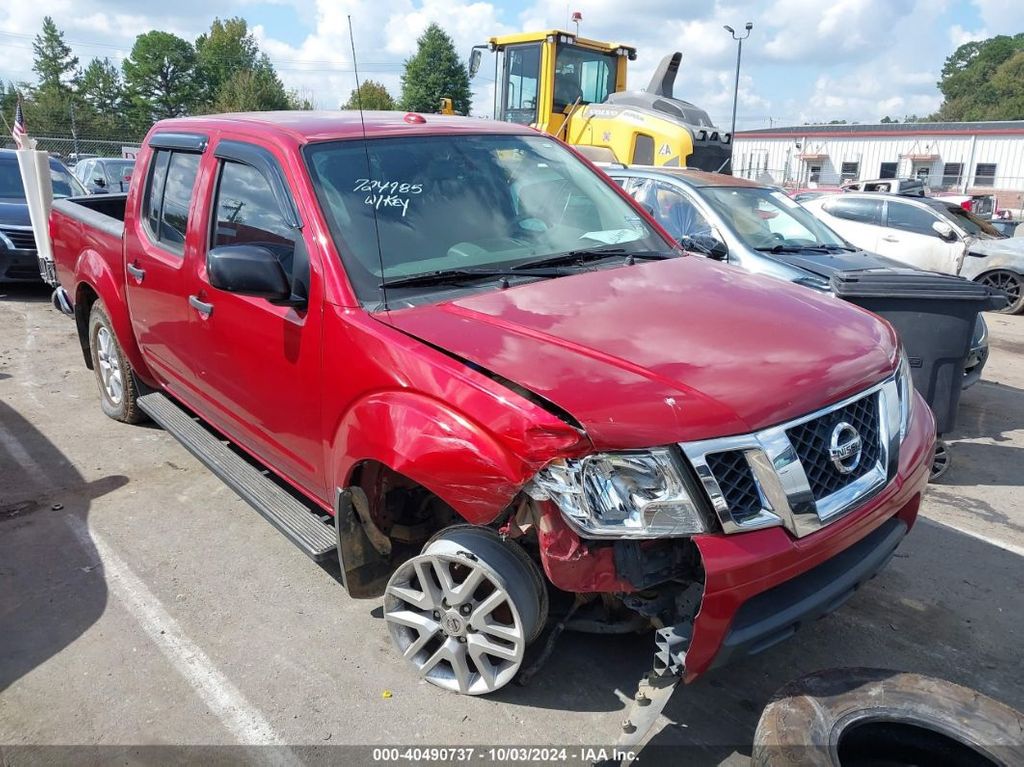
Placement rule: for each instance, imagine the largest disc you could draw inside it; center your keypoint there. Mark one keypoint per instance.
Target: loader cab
(544, 77)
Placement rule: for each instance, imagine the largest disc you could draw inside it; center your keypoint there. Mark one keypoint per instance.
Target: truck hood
(668, 351)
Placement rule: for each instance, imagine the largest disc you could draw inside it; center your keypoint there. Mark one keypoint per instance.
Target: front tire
(1010, 283)
(118, 390)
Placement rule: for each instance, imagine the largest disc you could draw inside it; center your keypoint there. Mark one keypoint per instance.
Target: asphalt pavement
(143, 604)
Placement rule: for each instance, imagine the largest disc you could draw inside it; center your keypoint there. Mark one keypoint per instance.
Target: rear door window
(169, 197)
(857, 209)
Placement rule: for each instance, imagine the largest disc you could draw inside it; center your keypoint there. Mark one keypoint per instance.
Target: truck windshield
(766, 219)
(401, 208)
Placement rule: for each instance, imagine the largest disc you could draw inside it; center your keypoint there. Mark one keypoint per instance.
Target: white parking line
(23, 459)
(225, 700)
(997, 542)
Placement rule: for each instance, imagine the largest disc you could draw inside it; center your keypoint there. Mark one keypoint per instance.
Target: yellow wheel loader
(575, 88)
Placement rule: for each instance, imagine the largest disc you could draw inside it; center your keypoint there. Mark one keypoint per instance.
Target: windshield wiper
(780, 248)
(456, 276)
(583, 255)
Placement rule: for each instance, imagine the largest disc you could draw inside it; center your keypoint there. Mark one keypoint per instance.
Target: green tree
(56, 66)
(976, 87)
(886, 120)
(160, 74)
(101, 88)
(249, 90)
(434, 72)
(234, 75)
(370, 95)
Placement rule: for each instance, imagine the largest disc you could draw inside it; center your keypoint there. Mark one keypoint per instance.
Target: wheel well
(85, 297)
(400, 507)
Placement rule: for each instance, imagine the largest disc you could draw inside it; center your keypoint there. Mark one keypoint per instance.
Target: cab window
(522, 76)
(248, 213)
(583, 76)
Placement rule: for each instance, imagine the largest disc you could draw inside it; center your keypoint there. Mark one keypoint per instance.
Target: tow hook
(655, 688)
(62, 302)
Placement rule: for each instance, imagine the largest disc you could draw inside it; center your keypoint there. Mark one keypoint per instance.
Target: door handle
(890, 239)
(202, 307)
(135, 272)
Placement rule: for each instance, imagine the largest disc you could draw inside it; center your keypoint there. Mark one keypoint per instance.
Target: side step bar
(298, 522)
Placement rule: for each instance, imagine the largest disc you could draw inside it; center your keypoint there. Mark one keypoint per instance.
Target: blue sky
(805, 61)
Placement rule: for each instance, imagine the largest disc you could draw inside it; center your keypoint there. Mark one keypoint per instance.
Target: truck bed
(101, 211)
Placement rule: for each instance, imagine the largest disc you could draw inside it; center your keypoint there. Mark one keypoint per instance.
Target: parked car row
(928, 233)
(762, 230)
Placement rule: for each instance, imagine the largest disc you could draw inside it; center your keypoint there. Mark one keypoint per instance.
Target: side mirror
(251, 270)
(944, 230)
(474, 62)
(710, 245)
(99, 181)
(718, 250)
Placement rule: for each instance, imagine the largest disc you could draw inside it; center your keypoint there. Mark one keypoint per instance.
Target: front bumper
(761, 586)
(19, 265)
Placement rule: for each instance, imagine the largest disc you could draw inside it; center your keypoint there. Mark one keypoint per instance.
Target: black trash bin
(934, 315)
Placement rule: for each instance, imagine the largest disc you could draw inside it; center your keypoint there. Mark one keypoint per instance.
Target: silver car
(760, 229)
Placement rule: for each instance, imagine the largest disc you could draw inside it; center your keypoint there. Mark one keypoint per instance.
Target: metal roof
(889, 129)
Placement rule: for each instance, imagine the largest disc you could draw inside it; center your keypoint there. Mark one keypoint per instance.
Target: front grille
(811, 442)
(22, 238)
(783, 475)
(736, 481)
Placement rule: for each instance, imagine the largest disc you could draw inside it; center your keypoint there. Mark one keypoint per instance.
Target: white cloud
(851, 59)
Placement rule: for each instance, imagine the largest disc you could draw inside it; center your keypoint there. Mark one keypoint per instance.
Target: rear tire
(1010, 283)
(114, 378)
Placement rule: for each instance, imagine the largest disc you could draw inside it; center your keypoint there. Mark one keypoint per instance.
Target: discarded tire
(870, 717)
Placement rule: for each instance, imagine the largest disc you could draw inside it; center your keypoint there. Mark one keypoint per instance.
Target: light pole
(736, 88)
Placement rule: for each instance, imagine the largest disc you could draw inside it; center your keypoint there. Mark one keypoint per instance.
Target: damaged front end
(616, 586)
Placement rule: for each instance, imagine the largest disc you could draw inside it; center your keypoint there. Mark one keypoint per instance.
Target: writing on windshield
(403, 207)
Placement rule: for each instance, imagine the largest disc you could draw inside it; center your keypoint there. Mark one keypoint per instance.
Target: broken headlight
(622, 495)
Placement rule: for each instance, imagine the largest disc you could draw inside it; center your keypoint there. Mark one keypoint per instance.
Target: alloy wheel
(1009, 283)
(463, 618)
(110, 365)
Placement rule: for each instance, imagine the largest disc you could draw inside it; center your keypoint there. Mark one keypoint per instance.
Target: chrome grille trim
(785, 492)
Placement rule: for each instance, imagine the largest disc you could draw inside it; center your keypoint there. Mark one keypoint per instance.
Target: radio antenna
(366, 150)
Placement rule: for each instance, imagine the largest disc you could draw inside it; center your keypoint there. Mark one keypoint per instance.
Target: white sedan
(930, 234)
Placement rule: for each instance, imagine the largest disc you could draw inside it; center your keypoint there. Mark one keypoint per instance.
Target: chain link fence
(71, 149)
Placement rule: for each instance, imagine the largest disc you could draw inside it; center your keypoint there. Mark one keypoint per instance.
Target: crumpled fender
(92, 269)
(429, 442)
(998, 254)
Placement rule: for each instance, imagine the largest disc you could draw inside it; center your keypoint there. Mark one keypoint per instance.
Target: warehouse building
(964, 157)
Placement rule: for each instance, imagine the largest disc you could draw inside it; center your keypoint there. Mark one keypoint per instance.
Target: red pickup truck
(455, 355)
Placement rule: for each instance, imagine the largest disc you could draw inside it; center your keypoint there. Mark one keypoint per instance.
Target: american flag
(18, 132)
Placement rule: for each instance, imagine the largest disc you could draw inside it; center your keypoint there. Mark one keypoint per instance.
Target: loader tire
(859, 717)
